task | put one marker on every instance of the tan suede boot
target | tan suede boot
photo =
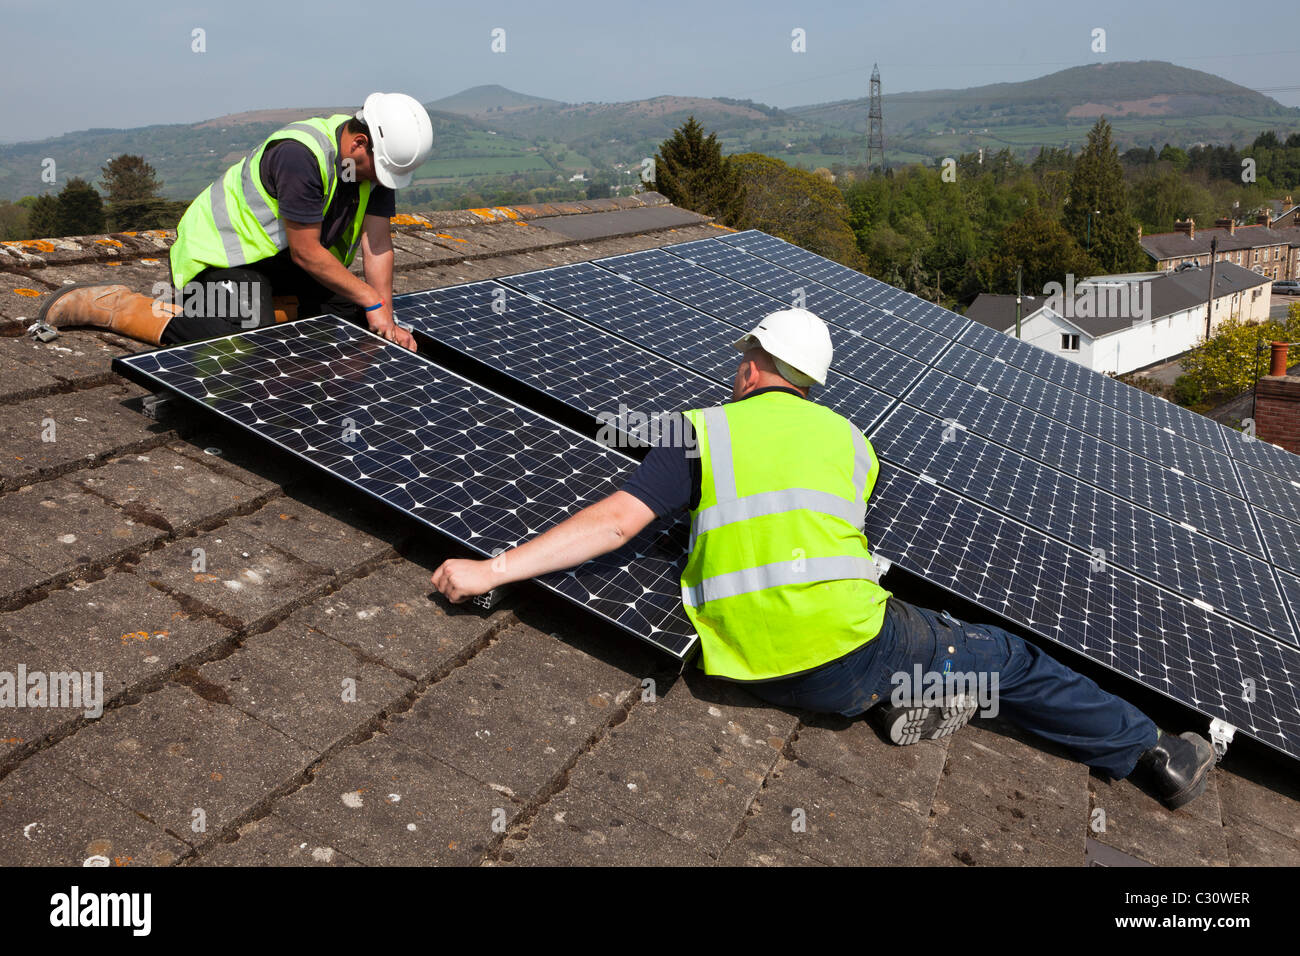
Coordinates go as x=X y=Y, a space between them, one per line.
x=112 y=307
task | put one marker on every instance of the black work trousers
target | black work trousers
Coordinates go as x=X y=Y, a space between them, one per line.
x=224 y=301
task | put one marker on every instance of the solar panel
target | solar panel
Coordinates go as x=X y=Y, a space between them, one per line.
x=454 y=456
x=792 y=288
x=1282 y=537
x=1144 y=482
x=559 y=355
x=1115 y=531
x=1093 y=418
x=1075 y=377
x=1262 y=455
x=1215 y=665
x=687 y=336
x=856 y=356
x=850 y=281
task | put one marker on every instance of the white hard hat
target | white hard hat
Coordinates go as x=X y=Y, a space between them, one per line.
x=798 y=341
x=402 y=135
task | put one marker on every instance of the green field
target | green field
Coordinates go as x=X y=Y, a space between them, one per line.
x=481 y=166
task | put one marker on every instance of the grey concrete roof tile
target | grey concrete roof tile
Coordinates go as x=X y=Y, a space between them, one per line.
x=305 y=685
x=823 y=816
x=270 y=841
x=243 y=582
x=123 y=628
x=49 y=818
x=391 y=615
x=174 y=753
x=577 y=829
x=518 y=713
x=385 y=804
x=57 y=528
x=958 y=836
x=1138 y=825
x=53 y=434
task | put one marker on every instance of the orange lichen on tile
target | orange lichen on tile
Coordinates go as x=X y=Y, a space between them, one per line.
x=495 y=212
x=41 y=245
x=443 y=235
x=716 y=225
x=406 y=219
x=31 y=293
x=151 y=262
x=109 y=242
x=112 y=263
x=130 y=233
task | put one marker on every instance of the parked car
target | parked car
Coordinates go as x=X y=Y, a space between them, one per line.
x=1287 y=286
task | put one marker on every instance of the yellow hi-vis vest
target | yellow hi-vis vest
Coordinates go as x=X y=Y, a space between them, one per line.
x=779 y=578
x=235 y=221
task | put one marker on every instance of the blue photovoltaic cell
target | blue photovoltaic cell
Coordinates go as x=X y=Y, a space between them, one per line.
x=567 y=358
x=1136 y=628
x=831 y=305
x=840 y=277
x=1093 y=418
x=858 y=357
x=1109 y=467
x=1114 y=531
x=455 y=456
x=688 y=336
x=1101 y=388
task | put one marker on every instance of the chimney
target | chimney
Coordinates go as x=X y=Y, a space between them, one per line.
x=1263 y=218
x=1228 y=223
x=1277 y=404
x=1187 y=226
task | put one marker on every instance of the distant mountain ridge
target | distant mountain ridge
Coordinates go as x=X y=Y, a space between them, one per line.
x=493 y=129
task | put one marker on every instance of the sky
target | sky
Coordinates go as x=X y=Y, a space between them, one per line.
x=77 y=65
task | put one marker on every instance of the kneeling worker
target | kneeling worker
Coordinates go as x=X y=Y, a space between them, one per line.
x=770 y=475
x=272 y=239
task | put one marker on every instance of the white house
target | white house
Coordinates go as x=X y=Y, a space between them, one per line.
x=1118 y=324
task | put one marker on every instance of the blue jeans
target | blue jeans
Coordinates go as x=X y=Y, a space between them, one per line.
x=1033 y=690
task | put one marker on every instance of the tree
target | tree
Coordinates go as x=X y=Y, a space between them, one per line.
x=13 y=220
x=1040 y=247
x=692 y=172
x=795 y=205
x=42 y=216
x=1097 y=209
x=1227 y=363
x=81 y=211
x=129 y=177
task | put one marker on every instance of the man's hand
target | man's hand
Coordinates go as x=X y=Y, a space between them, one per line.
x=460 y=579
x=381 y=323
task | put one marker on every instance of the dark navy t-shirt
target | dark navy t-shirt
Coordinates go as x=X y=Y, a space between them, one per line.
x=668 y=480
x=292 y=176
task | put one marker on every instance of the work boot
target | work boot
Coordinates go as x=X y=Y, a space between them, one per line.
x=112 y=307
x=909 y=724
x=1179 y=767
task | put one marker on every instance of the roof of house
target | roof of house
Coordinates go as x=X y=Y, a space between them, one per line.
x=1169 y=293
x=1173 y=245
x=222 y=679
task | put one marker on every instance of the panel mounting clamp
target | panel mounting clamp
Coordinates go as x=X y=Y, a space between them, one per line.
x=42 y=332
x=1221 y=733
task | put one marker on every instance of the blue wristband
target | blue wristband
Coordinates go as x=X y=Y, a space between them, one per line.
x=377 y=305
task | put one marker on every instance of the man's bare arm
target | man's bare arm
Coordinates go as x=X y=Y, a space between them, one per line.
x=593 y=531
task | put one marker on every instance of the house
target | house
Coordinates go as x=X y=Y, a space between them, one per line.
x=1271 y=247
x=1120 y=323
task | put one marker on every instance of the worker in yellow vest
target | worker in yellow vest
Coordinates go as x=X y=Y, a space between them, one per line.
x=272 y=239
x=782 y=589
